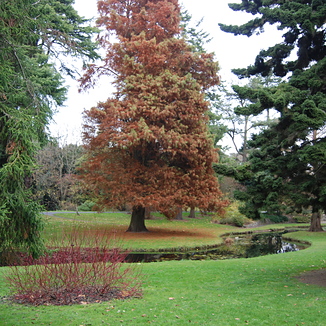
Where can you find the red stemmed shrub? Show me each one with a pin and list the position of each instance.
(88, 268)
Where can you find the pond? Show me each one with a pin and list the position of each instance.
(241, 245)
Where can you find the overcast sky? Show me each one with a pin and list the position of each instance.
(231, 52)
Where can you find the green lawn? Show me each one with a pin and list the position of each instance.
(256, 291)
(164, 233)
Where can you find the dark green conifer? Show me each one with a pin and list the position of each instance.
(31, 33)
(288, 160)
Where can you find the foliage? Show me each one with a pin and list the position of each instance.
(149, 145)
(238, 110)
(233, 216)
(88, 270)
(301, 218)
(303, 24)
(87, 206)
(288, 158)
(274, 218)
(29, 84)
(217, 126)
(197, 39)
(54, 181)
(30, 87)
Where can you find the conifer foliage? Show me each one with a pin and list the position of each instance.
(149, 144)
(288, 162)
(30, 85)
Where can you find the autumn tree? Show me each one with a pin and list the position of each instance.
(31, 32)
(149, 144)
(288, 163)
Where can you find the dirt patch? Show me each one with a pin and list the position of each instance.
(316, 277)
(63, 297)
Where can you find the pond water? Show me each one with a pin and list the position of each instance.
(234, 246)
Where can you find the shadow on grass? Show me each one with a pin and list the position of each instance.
(160, 233)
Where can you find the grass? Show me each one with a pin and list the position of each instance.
(256, 291)
(164, 233)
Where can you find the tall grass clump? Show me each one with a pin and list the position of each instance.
(84, 268)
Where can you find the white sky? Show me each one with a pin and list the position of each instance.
(231, 52)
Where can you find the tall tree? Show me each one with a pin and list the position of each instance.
(247, 116)
(290, 156)
(197, 38)
(29, 88)
(149, 145)
(192, 33)
(236, 110)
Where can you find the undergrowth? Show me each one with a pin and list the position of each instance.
(84, 270)
(232, 216)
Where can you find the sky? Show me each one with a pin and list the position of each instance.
(230, 51)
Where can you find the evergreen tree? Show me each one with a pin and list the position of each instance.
(197, 39)
(194, 36)
(288, 162)
(29, 88)
(237, 109)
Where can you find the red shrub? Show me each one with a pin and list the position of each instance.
(89, 269)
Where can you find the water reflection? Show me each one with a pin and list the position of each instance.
(239, 246)
(265, 244)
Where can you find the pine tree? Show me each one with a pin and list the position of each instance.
(289, 158)
(30, 86)
(149, 145)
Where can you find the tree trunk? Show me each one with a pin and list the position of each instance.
(315, 222)
(245, 141)
(137, 223)
(179, 214)
(192, 213)
(77, 212)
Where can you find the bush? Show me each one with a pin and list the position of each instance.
(274, 218)
(233, 216)
(87, 206)
(67, 206)
(89, 269)
(302, 218)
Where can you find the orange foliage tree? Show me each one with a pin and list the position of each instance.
(149, 144)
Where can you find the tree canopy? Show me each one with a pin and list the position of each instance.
(30, 86)
(149, 145)
(288, 160)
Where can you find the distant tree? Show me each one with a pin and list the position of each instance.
(197, 38)
(288, 163)
(54, 180)
(247, 117)
(30, 86)
(45, 177)
(217, 125)
(149, 145)
(237, 116)
(192, 34)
